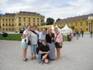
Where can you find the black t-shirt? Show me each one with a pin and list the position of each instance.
(43, 48)
(50, 38)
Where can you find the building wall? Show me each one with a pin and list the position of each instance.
(77, 24)
(7, 23)
(13, 23)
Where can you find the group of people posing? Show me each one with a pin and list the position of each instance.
(45, 44)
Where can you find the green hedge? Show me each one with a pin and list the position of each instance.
(15, 37)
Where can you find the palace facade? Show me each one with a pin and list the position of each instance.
(13, 22)
(78, 23)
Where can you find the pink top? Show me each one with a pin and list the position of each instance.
(59, 38)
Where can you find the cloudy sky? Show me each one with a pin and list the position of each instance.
(49, 8)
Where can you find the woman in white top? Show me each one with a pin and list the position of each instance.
(24, 43)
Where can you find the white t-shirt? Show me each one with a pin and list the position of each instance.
(40, 34)
(43, 36)
(27, 34)
(33, 38)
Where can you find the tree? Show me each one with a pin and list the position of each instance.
(49, 21)
(58, 19)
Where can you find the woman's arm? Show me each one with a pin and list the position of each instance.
(43, 52)
(45, 56)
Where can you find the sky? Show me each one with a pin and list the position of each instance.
(49, 8)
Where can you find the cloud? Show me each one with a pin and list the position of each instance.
(49, 8)
(2, 1)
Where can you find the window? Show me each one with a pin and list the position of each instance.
(3, 20)
(24, 19)
(3, 24)
(12, 24)
(33, 19)
(29, 24)
(42, 20)
(6, 29)
(6, 20)
(9, 24)
(12, 19)
(12, 29)
(9, 20)
(37, 19)
(86, 29)
(29, 19)
(76, 24)
(19, 18)
(33, 24)
(86, 24)
(80, 23)
(19, 24)
(3, 29)
(9, 29)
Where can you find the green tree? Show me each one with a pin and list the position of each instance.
(49, 21)
(58, 19)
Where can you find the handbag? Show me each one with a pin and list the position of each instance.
(29, 43)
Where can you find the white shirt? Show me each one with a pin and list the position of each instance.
(43, 35)
(40, 34)
(27, 34)
(33, 38)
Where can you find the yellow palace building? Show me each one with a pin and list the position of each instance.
(13, 22)
(79, 23)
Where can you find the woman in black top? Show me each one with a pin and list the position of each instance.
(50, 42)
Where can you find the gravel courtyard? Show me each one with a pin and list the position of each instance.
(76, 55)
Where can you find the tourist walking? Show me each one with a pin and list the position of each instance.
(77, 35)
(91, 33)
(82, 33)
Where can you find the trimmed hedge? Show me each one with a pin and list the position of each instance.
(15, 37)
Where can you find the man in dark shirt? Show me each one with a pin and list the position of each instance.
(43, 51)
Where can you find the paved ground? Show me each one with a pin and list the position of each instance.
(77, 55)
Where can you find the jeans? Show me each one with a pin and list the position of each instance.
(39, 58)
(33, 49)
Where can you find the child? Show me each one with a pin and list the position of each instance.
(43, 52)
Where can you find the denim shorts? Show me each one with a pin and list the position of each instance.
(24, 45)
(33, 49)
